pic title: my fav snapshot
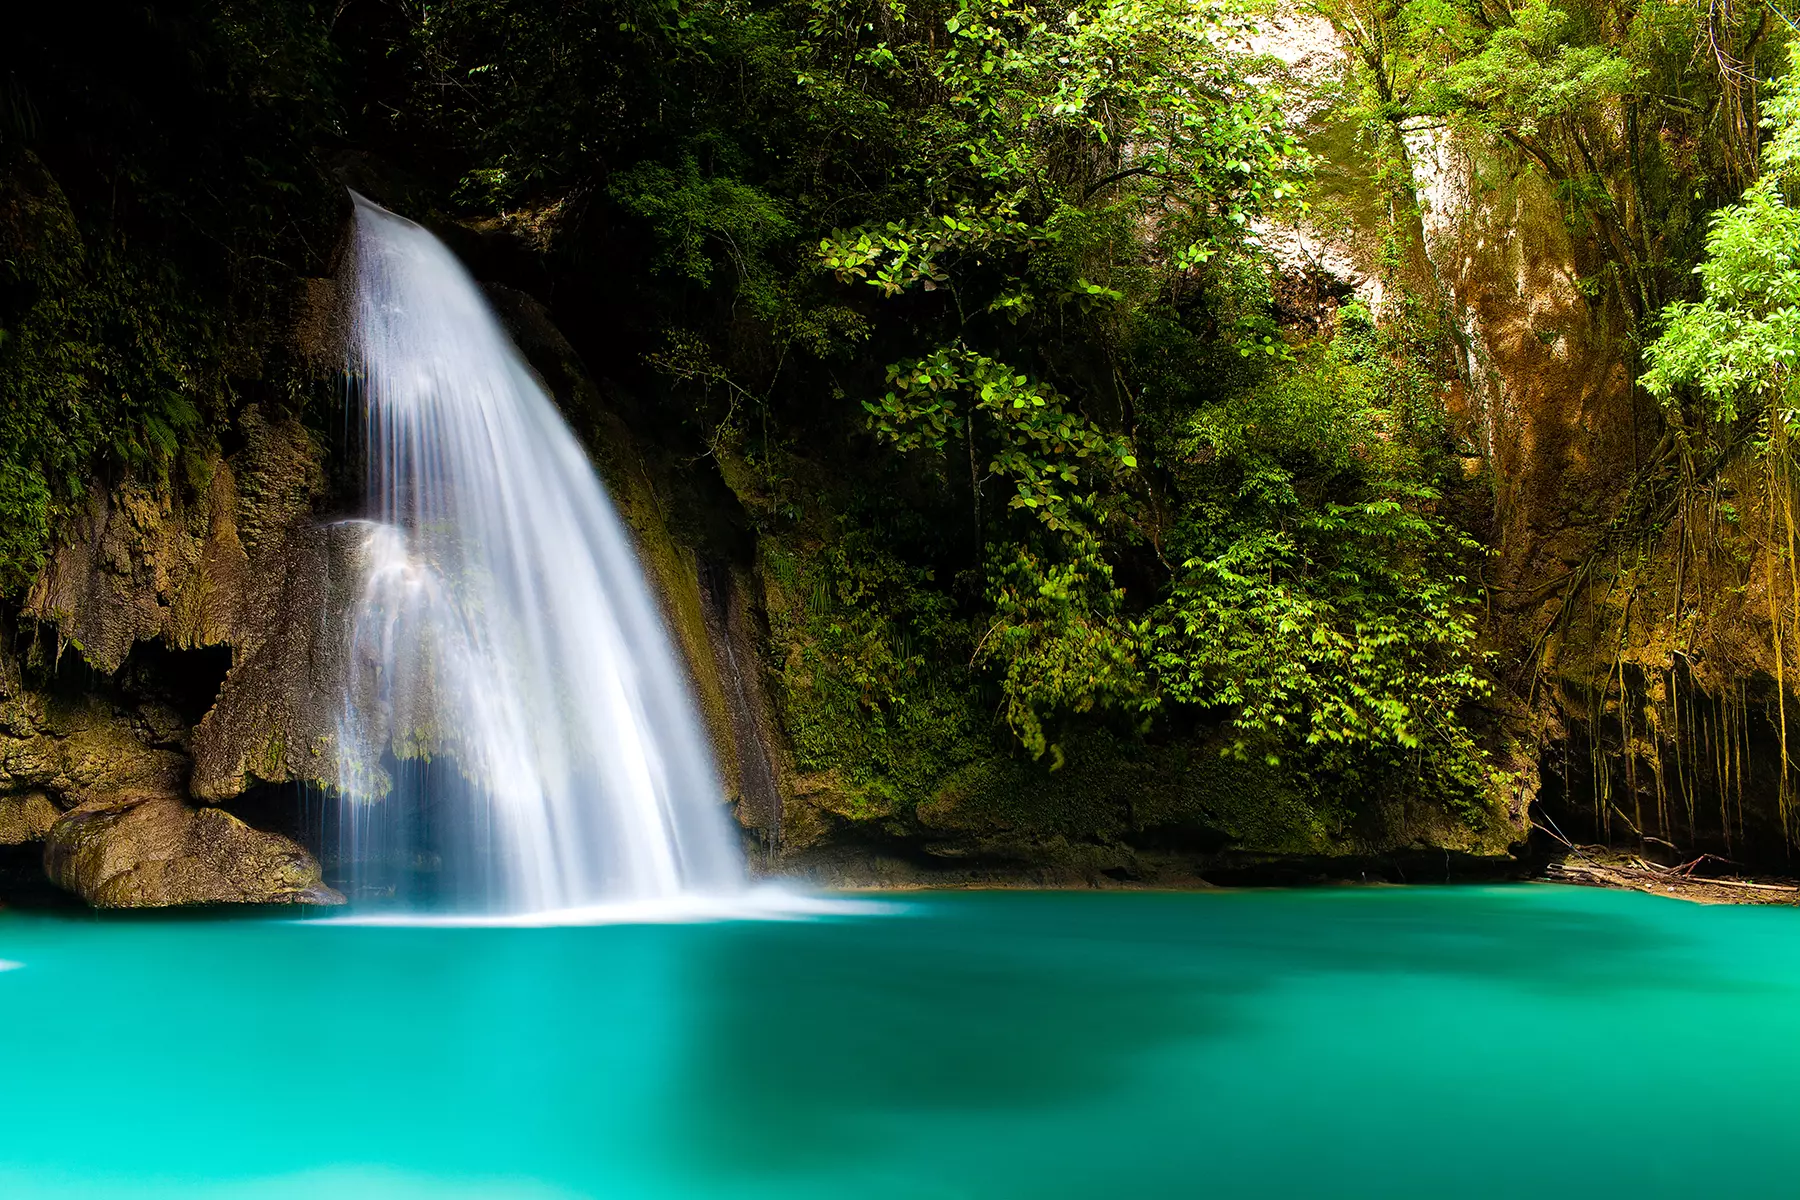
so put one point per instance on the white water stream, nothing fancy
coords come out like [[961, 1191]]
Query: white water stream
[[505, 628]]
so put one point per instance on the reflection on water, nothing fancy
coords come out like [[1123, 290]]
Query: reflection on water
[[1356, 1042]]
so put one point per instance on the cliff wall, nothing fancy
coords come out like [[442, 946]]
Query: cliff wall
[[1636, 595]]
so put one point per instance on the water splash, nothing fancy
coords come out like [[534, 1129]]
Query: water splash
[[517, 725], [770, 902]]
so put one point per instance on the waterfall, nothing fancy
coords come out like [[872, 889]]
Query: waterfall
[[516, 725]]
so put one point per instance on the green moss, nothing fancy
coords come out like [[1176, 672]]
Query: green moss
[[158, 196], [867, 688], [108, 359], [891, 733]]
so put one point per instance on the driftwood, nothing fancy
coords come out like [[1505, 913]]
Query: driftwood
[[1636, 874], [1577, 868], [1600, 866]]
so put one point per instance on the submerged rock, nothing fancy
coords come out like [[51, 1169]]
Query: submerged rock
[[157, 850]]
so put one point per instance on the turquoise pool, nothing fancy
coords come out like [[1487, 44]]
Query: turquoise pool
[[1353, 1042]]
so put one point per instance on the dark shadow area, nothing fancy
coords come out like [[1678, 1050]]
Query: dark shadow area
[[1710, 783], [1402, 866], [188, 681], [1181, 837], [303, 812], [23, 885], [59, 671]]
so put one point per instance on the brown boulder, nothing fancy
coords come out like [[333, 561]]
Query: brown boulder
[[157, 851]]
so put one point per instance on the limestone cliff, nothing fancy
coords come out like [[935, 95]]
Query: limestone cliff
[[98, 773], [1634, 608]]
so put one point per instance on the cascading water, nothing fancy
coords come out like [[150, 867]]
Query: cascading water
[[504, 626]]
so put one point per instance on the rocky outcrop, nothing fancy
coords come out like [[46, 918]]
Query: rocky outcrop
[[1550, 397], [155, 851], [231, 561], [755, 740], [25, 818], [154, 561], [276, 719], [98, 773], [241, 564]]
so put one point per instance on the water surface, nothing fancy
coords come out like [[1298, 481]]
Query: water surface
[[1357, 1042]]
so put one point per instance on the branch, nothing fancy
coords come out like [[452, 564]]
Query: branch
[[1538, 156], [1118, 175]]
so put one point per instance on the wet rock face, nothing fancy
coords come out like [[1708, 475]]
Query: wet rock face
[[179, 646], [276, 718], [241, 564], [145, 562], [158, 851]]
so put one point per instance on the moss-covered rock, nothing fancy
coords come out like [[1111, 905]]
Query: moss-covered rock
[[25, 817], [84, 747], [153, 851], [240, 563]]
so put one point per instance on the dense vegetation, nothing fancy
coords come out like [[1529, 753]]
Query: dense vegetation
[[964, 301], [999, 254], [157, 196]]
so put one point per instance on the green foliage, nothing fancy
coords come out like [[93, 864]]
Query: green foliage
[[102, 365], [1526, 77], [689, 213], [1641, 116], [24, 524], [977, 270], [1060, 637], [157, 197], [1058, 127], [1736, 346], [1321, 602], [1039, 443]]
